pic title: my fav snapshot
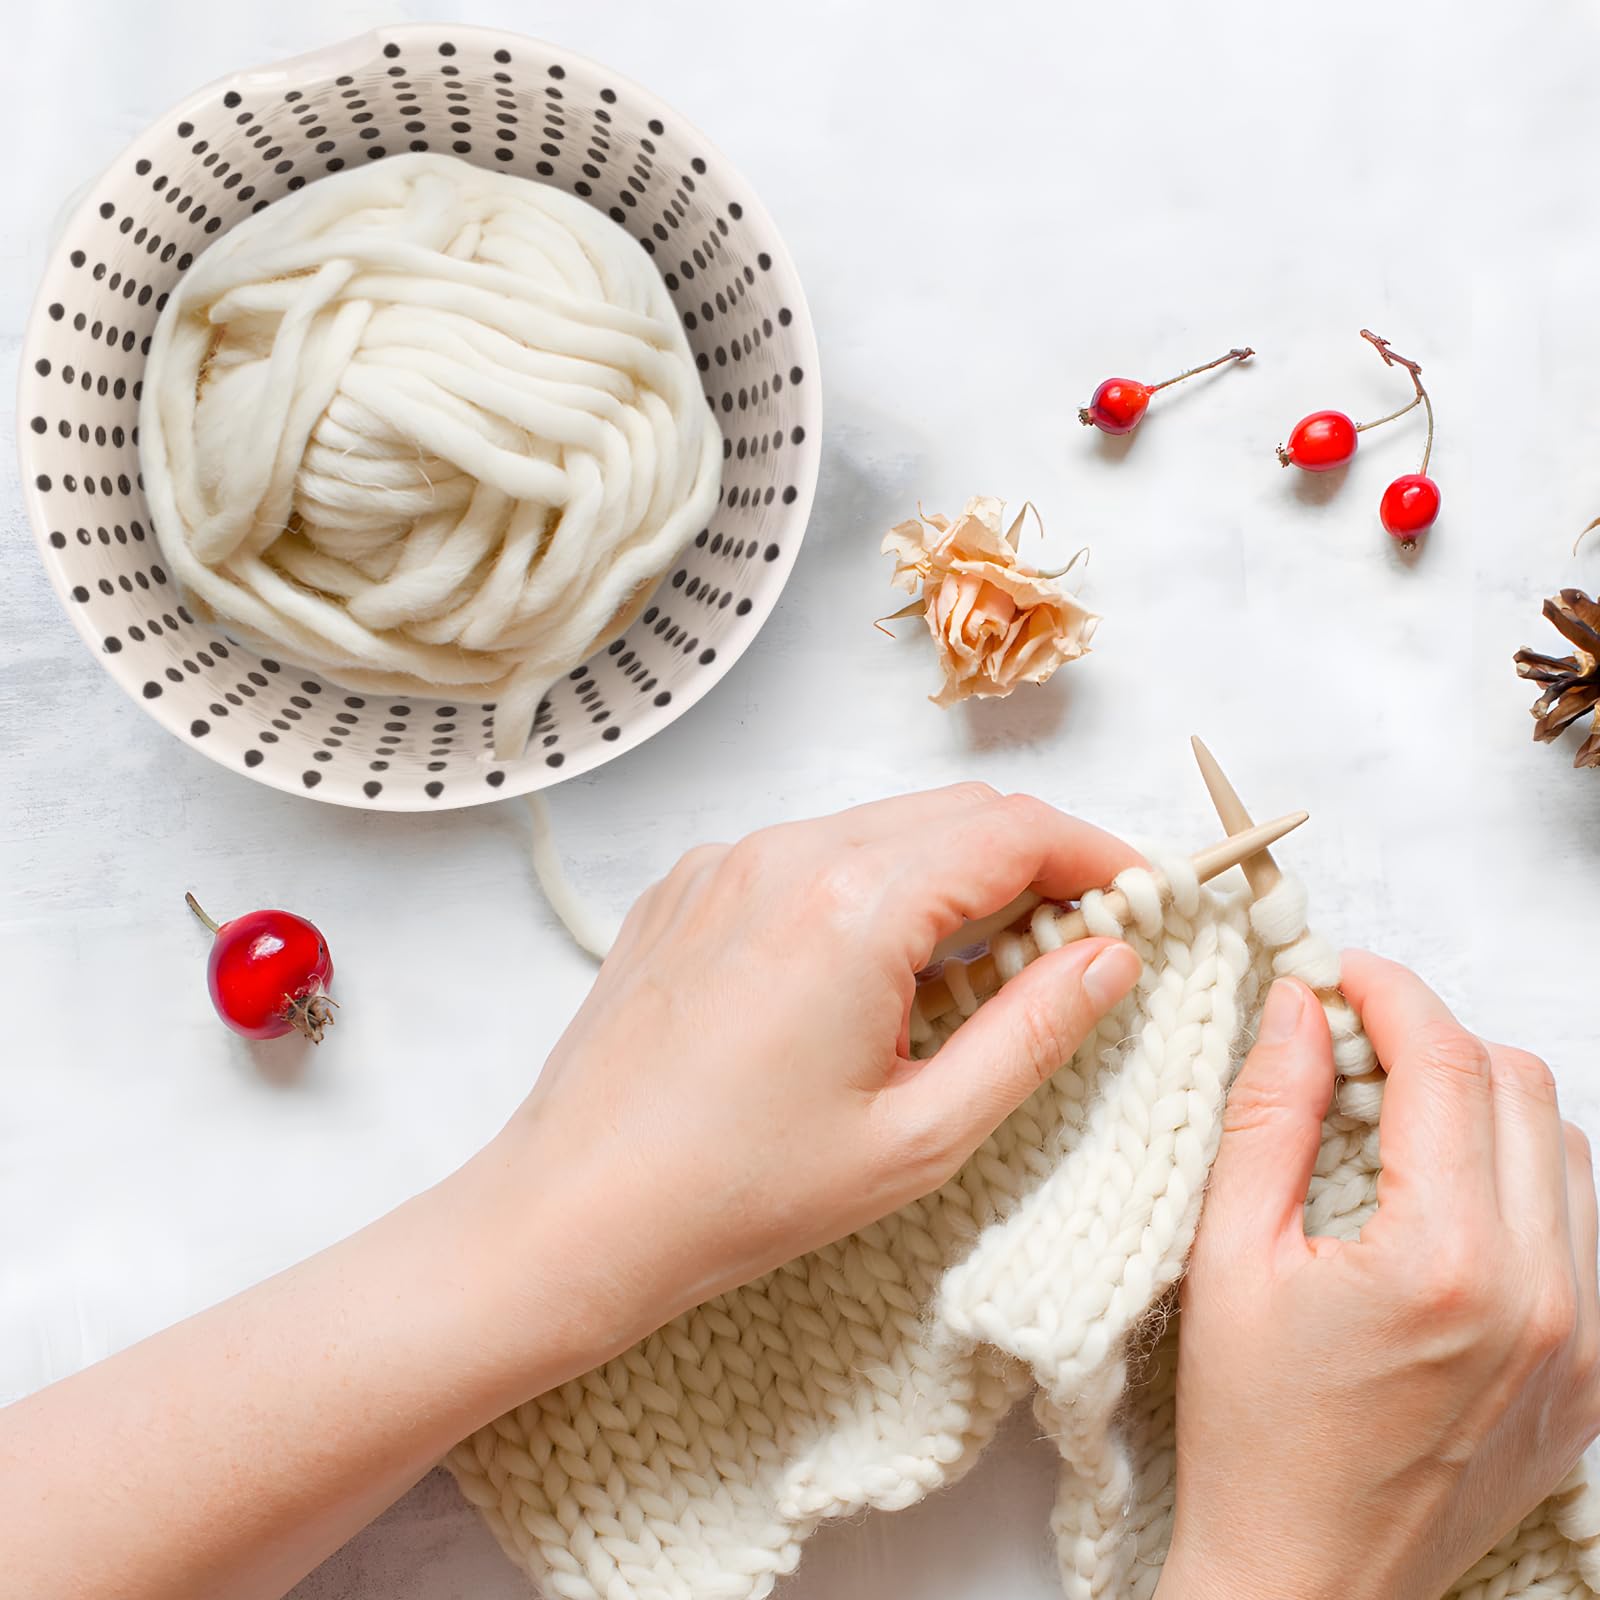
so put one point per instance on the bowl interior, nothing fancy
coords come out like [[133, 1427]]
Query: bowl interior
[[499, 101]]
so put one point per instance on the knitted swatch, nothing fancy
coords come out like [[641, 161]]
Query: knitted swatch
[[872, 1372]]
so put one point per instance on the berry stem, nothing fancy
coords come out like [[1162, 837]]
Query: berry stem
[[1392, 358], [1242, 354], [1378, 422], [1587, 530], [194, 906]]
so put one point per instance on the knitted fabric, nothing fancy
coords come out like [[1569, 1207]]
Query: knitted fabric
[[426, 427], [874, 1371]]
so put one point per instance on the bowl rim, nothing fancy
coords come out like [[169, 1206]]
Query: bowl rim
[[536, 777]]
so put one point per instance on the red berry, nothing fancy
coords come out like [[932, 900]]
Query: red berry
[[1320, 442], [1118, 405], [269, 973], [1410, 505]]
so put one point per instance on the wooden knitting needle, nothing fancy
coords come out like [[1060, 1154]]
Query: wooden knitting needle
[[933, 993], [1261, 872]]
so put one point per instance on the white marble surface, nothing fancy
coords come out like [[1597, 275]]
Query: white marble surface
[[992, 209]]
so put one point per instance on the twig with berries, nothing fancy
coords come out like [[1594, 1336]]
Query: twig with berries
[[1119, 404], [1327, 439]]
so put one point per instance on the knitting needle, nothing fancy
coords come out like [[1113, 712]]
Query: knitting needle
[[933, 995], [971, 935], [1261, 872]]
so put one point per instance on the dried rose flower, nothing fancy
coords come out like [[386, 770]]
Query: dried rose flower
[[995, 621]]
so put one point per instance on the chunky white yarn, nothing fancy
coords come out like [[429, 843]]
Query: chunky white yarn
[[693, 1466], [426, 428], [592, 931]]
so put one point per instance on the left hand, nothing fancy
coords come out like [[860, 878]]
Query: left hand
[[737, 1089]]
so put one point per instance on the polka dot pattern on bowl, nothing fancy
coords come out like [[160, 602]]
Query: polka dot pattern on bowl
[[496, 100]]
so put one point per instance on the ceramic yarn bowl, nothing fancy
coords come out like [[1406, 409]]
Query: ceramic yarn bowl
[[507, 103]]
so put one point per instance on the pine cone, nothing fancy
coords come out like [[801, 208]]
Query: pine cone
[[1571, 683]]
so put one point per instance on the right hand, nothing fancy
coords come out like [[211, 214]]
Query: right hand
[[1366, 1419]]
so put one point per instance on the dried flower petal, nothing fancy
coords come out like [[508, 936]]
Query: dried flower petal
[[995, 621]]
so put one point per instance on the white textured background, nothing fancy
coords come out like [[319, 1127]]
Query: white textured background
[[992, 208]]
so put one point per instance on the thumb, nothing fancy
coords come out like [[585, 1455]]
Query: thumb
[[1014, 1041], [1271, 1129]]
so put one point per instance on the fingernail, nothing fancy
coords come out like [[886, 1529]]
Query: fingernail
[[1110, 975], [1281, 1014]]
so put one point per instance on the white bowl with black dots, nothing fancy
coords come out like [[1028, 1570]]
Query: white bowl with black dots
[[511, 104]]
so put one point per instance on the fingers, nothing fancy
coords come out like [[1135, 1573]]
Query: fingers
[[981, 856], [904, 815], [920, 865], [1529, 1145], [1271, 1131], [1436, 1132], [1581, 1213], [948, 1105]]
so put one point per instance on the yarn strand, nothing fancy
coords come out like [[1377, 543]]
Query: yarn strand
[[590, 931]]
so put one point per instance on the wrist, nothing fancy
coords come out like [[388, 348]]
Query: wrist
[[546, 1253], [1192, 1574]]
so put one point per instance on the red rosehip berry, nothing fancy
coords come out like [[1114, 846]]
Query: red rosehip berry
[[1320, 442], [269, 973], [1409, 506], [1119, 404]]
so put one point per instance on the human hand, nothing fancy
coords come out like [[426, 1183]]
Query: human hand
[[1366, 1419], [737, 1090]]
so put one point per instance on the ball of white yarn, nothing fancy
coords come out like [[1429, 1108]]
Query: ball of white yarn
[[426, 428]]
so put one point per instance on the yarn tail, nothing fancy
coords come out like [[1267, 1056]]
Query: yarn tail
[[591, 931]]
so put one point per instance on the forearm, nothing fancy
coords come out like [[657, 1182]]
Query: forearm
[[232, 1453]]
